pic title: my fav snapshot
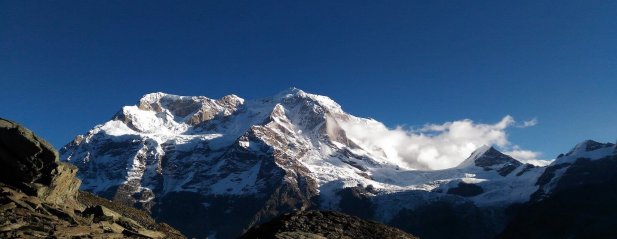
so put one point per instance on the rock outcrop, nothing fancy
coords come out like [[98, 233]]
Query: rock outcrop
[[40, 197], [321, 225], [31, 164]]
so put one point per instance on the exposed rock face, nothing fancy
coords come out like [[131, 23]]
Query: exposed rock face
[[194, 110], [323, 224], [31, 164], [39, 196]]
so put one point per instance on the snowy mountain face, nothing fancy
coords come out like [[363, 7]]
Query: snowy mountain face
[[576, 198], [589, 162], [215, 167]]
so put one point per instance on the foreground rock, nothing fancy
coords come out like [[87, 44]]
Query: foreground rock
[[323, 224], [39, 197]]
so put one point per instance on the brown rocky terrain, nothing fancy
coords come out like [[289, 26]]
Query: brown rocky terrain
[[323, 224], [40, 197]]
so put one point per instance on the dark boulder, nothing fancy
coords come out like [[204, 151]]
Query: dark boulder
[[31, 164], [24, 157]]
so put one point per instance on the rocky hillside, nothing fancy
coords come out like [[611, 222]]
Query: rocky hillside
[[321, 225], [40, 197]]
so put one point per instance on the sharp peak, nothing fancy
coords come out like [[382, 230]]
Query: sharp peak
[[484, 149], [292, 90], [492, 149], [295, 93], [479, 153]]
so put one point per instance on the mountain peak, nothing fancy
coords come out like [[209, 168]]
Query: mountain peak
[[484, 149], [233, 99], [488, 157], [292, 91], [589, 149], [157, 97], [479, 152], [153, 96], [588, 146], [294, 95]]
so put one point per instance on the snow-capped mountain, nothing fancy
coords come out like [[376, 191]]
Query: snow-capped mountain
[[232, 163], [576, 197], [582, 165]]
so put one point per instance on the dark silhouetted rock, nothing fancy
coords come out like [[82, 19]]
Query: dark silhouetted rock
[[323, 224], [31, 164], [442, 220]]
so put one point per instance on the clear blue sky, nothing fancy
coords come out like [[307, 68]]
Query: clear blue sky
[[68, 65]]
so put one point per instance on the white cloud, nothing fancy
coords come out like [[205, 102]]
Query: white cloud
[[434, 146], [528, 123], [527, 156]]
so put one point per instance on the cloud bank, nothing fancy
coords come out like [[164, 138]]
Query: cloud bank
[[438, 146]]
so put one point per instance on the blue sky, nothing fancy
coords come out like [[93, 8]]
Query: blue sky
[[68, 65]]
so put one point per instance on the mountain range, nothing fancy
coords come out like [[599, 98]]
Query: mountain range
[[217, 167]]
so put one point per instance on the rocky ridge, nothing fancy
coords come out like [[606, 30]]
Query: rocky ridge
[[39, 196]]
